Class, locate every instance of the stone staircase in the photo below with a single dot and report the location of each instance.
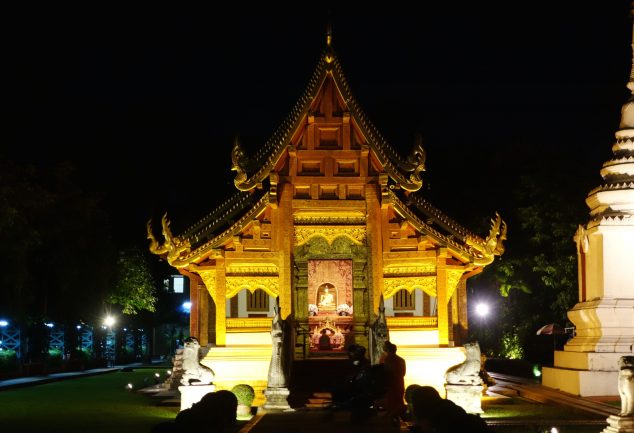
(319, 400)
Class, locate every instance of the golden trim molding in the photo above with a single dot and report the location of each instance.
(422, 268)
(303, 234)
(412, 322)
(263, 269)
(249, 323)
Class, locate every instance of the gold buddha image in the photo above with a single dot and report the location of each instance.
(326, 296)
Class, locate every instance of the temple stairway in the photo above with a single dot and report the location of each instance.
(312, 381)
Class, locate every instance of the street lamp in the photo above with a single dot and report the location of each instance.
(482, 309)
(187, 307)
(109, 322)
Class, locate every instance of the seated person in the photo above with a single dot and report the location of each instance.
(324, 340)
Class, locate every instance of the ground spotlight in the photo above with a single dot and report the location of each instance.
(129, 387)
(3, 323)
(169, 372)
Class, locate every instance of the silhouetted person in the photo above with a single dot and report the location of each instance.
(356, 393)
(395, 382)
(215, 412)
(324, 341)
(434, 414)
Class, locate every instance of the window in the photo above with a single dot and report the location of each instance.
(257, 301)
(179, 283)
(404, 300)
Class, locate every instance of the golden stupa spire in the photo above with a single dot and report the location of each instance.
(630, 84)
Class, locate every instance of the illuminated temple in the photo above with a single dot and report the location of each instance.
(327, 219)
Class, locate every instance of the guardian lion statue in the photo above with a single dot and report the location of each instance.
(194, 373)
(626, 385)
(467, 373)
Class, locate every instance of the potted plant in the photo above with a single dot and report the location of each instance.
(245, 395)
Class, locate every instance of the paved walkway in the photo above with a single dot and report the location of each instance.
(53, 377)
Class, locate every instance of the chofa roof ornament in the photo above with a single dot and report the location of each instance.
(485, 250)
(173, 246)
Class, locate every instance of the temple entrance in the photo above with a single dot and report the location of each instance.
(330, 307)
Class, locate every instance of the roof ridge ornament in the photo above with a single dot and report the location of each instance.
(173, 246)
(492, 245)
(415, 164)
(330, 54)
(237, 164)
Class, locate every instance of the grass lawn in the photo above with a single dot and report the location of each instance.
(93, 404)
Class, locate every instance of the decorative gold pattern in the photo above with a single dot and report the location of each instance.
(269, 284)
(422, 268)
(249, 323)
(393, 285)
(492, 246)
(304, 233)
(252, 269)
(323, 220)
(209, 278)
(412, 322)
(173, 245)
(453, 278)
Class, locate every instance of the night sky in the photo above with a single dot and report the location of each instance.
(146, 103)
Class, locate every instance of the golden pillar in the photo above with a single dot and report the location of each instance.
(375, 246)
(441, 293)
(283, 220)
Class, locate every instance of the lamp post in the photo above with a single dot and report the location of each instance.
(108, 323)
(482, 311)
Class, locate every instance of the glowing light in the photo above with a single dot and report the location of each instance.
(157, 375)
(554, 430)
(482, 309)
(187, 307)
(78, 327)
(537, 371)
(4, 323)
(109, 321)
(169, 372)
(129, 386)
(49, 325)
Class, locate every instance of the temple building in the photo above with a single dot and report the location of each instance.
(603, 317)
(327, 218)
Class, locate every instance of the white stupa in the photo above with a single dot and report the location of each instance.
(604, 315)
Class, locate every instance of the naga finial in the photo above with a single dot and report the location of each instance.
(237, 158)
(415, 164)
(173, 246)
(492, 246)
